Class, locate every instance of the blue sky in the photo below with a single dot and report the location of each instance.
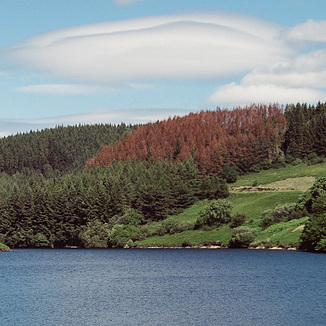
(104, 61)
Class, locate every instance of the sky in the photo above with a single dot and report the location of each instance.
(68, 62)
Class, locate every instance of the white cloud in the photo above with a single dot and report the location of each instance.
(307, 70)
(188, 46)
(61, 89)
(125, 2)
(310, 31)
(299, 78)
(108, 115)
(239, 94)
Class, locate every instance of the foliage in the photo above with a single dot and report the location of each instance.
(60, 149)
(242, 237)
(217, 213)
(281, 213)
(241, 138)
(230, 173)
(283, 234)
(314, 201)
(94, 234)
(313, 237)
(311, 200)
(81, 207)
(158, 170)
(306, 130)
(237, 219)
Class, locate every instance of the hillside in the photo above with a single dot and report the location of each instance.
(132, 191)
(284, 233)
(239, 137)
(61, 148)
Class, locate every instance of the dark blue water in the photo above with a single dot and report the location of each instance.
(162, 287)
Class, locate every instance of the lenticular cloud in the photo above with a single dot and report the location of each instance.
(190, 46)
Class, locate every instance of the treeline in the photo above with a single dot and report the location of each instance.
(48, 198)
(238, 137)
(82, 207)
(61, 148)
(306, 130)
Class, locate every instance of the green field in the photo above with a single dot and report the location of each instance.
(267, 177)
(252, 204)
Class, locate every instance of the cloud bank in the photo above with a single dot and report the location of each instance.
(263, 62)
(125, 2)
(176, 47)
(107, 115)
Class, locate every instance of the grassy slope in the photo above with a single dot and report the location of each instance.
(270, 176)
(285, 234)
(3, 247)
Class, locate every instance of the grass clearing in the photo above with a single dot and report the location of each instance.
(254, 203)
(285, 234)
(192, 237)
(302, 183)
(266, 177)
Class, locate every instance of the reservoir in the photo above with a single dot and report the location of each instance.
(75, 287)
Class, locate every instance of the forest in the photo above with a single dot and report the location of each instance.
(99, 186)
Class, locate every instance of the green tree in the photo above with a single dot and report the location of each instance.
(217, 213)
(313, 237)
(242, 236)
(95, 234)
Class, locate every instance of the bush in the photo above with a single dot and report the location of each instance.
(313, 237)
(313, 159)
(212, 188)
(41, 240)
(242, 237)
(237, 220)
(119, 236)
(279, 163)
(230, 173)
(218, 212)
(131, 217)
(267, 218)
(94, 234)
(281, 213)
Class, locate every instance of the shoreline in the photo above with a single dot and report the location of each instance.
(201, 247)
(210, 247)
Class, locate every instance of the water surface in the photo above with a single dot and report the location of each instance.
(162, 287)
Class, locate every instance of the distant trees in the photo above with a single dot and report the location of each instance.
(59, 149)
(92, 207)
(145, 173)
(238, 138)
(306, 130)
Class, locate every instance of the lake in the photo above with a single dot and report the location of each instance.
(162, 287)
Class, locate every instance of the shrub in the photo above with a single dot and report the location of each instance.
(41, 240)
(94, 234)
(314, 234)
(212, 188)
(186, 243)
(131, 217)
(237, 220)
(281, 213)
(218, 212)
(242, 237)
(278, 163)
(121, 234)
(230, 173)
(267, 218)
